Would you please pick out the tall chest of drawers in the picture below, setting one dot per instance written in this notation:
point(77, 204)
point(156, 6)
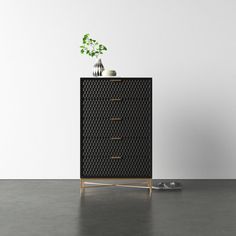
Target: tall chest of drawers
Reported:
point(116, 128)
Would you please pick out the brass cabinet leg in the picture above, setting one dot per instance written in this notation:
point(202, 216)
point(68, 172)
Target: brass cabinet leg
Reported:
point(81, 184)
point(84, 184)
point(150, 187)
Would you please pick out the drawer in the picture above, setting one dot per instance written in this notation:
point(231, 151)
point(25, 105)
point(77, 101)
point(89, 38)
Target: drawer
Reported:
point(117, 107)
point(108, 88)
point(126, 167)
point(116, 147)
point(126, 127)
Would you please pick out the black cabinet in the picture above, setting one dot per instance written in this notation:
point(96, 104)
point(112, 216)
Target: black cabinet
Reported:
point(116, 127)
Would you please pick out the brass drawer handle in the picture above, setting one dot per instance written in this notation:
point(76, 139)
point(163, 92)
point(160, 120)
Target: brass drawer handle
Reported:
point(115, 157)
point(116, 119)
point(116, 138)
point(116, 80)
point(116, 99)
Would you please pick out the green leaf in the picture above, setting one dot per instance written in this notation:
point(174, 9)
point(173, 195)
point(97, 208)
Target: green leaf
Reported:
point(91, 47)
point(86, 36)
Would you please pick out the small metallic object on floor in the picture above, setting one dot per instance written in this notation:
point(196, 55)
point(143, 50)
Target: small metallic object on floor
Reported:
point(168, 186)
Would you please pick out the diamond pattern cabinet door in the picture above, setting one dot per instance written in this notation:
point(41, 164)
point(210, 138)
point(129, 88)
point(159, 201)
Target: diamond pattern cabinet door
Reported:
point(136, 109)
point(127, 167)
point(127, 127)
point(101, 88)
point(121, 147)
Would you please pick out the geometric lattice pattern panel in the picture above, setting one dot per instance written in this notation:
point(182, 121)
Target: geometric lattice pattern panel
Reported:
point(123, 108)
point(130, 166)
point(107, 88)
point(124, 147)
point(124, 128)
point(116, 127)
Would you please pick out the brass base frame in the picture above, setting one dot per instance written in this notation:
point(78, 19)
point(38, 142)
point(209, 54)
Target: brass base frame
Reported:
point(146, 184)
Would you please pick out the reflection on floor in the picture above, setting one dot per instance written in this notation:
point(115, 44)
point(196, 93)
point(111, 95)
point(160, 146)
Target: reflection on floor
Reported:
point(55, 207)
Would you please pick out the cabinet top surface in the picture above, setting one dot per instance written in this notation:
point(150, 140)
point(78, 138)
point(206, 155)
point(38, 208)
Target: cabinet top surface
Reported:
point(114, 77)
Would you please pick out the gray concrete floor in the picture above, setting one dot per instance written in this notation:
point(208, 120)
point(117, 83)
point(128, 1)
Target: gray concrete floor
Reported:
point(55, 208)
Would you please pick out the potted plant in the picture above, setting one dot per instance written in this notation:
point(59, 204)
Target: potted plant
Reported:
point(93, 48)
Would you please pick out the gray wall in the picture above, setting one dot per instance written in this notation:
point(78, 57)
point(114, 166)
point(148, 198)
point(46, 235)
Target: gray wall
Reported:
point(188, 47)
